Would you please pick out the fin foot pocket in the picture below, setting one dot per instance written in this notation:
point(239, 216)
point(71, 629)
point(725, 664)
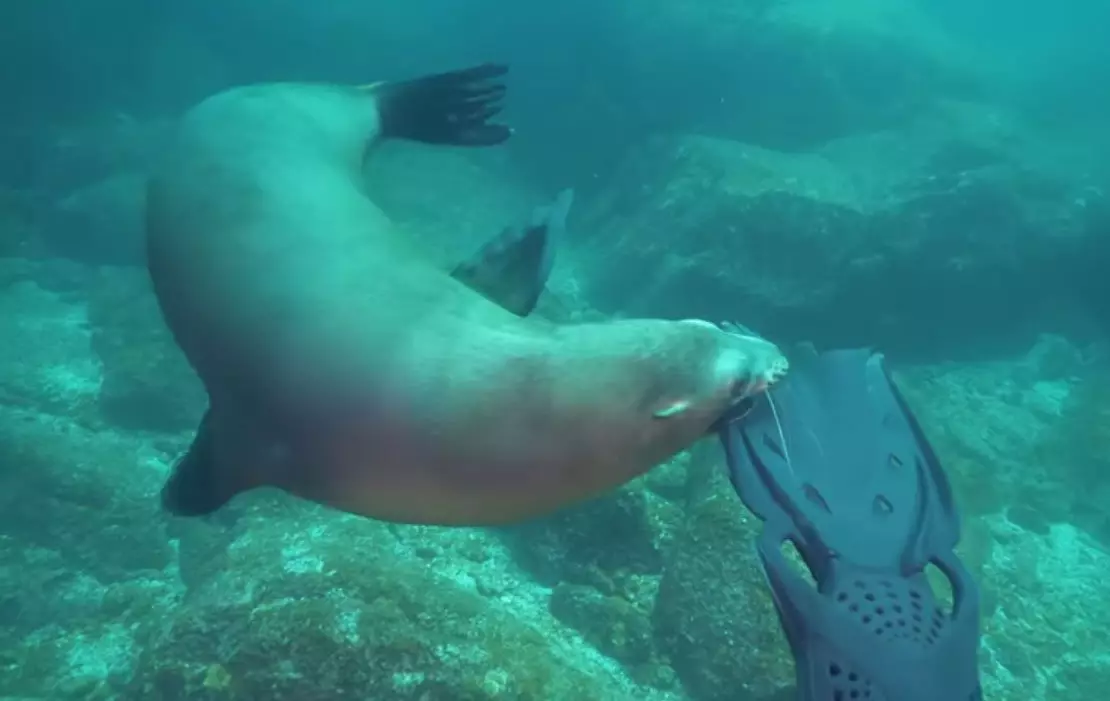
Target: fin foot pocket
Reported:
point(452, 108)
point(847, 476)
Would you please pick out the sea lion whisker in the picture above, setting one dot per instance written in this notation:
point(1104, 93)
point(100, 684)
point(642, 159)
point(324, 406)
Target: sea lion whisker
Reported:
point(782, 434)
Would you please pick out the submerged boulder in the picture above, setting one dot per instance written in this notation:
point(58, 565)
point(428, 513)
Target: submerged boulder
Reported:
point(789, 74)
point(865, 240)
point(314, 605)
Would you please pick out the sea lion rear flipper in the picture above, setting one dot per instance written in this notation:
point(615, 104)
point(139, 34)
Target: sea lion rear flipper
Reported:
point(224, 460)
point(512, 268)
point(451, 108)
point(833, 461)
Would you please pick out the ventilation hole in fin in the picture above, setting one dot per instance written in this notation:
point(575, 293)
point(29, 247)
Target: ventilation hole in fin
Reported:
point(941, 588)
point(894, 462)
point(773, 446)
point(797, 564)
point(881, 506)
point(814, 497)
point(847, 684)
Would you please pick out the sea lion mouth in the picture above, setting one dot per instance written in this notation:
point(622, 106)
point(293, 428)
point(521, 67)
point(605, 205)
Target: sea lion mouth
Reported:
point(745, 392)
point(749, 388)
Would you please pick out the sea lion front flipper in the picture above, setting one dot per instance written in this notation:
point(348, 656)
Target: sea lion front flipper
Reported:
point(452, 108)
point(227, 457)
point(512, 268)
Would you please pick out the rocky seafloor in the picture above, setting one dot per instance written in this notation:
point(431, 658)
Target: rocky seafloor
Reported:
point(652, 592)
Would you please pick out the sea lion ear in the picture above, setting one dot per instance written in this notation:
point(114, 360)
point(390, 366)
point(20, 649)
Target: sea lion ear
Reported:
point(672, 409)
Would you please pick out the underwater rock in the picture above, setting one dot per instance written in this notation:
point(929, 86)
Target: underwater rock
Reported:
point(76, 491)
point(786, 73)
point(590, 543)
point(316, 605)
point(1021, 434)
point(148, 383)
point(861, 241)
point(16, 228)
point(713, 616)
point(88, 651)
point(1047, 637)
point(99, 223)
point(1073, 460)
point(611, 624)
point(95, 148)
point(45, 359)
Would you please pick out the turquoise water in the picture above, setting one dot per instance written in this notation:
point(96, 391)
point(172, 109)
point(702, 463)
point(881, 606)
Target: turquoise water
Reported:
point(927, 178)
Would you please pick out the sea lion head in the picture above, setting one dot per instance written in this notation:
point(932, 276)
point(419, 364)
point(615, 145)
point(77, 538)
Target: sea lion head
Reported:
point(721, 366)
point(748, 363)
point(652, 387)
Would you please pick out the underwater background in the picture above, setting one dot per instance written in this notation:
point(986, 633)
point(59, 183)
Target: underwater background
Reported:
point(930, 178)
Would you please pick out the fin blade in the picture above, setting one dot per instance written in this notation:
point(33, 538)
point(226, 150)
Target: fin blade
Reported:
point(208, 476)
point(452, 108)
point(513, 268)
point(859, 478)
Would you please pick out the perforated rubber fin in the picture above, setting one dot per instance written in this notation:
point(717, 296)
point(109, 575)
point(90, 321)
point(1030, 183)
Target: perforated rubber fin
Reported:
point(851, 481)
point(512, 268)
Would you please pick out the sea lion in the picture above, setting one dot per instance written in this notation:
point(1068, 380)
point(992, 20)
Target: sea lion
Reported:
point(344, 367)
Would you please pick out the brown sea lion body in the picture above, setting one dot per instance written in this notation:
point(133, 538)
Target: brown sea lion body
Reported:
point(344, 367)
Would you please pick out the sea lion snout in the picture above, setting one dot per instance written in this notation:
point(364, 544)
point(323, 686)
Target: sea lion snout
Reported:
point(768, 366)
point(750, 363)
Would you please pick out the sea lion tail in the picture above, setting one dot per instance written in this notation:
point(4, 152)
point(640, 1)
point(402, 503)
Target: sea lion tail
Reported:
point(452, 108)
